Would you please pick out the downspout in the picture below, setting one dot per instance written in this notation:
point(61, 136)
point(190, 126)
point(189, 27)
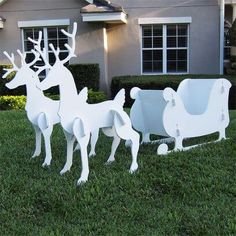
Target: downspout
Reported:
point(222, 20)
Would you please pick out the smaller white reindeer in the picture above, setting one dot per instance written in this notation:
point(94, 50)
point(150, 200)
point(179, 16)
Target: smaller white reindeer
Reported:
point(41, 111)
point(79, 119)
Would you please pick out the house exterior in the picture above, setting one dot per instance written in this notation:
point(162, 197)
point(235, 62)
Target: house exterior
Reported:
point(131, 37)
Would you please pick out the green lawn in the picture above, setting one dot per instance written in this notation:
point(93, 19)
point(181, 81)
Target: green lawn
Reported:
point(186, 193)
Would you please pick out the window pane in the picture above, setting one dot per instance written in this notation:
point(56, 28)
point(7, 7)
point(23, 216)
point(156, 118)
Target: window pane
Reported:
point(171, 55)
point(157, 30)
point(53, 42)
point(171, 30)
point(171, 42)
point(147, 66)
point(60, 34)
point(182, 30)
point(157, 66)
point(62, 43)
point(182, 42)
point(28, 46)
point(157, 42)
point(147, 30)
point(147, 55)
point(147, 42)
point(36, 32)
point(171, 66)
point(182, 66)
point(52, 58)
point(182, 55)
point(157, 55)
point(52, 33)
point(28, 33)
point(63, 55)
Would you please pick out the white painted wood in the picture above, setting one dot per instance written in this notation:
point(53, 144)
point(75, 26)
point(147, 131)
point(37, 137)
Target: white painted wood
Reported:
point(77, 116)
point(41, 111)
point(110, 17)
point(43, 23)
point(198, 108)
point(164, 20)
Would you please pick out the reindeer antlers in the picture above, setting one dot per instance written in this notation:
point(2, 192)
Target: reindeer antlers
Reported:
point(70, 48)
point(14, 68)
point(43, 53)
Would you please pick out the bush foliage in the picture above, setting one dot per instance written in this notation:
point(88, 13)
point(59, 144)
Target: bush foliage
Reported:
point(85, 75)
point(162, 82)
point(12, 102)
point(18, 102)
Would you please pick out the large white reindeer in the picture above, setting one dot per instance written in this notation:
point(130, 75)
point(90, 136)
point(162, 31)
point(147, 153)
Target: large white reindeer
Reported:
point(41, 111)
point(79, 119)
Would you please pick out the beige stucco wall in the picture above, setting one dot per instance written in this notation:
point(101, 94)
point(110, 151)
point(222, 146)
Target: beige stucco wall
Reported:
point(125, 43)
point(90, 43)
point(123, 55)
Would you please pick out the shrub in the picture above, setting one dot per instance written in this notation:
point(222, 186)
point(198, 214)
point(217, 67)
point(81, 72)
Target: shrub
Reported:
point(93, 96)
point(12, 102)
point(161, 82)
point(18, 102)
point(86, 75)
point(3, 89)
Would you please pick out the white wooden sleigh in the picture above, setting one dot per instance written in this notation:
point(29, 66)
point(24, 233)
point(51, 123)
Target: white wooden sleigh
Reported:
point(198, 108)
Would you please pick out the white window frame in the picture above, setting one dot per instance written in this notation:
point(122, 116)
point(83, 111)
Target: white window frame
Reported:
point(164, 21)
point(45, 24)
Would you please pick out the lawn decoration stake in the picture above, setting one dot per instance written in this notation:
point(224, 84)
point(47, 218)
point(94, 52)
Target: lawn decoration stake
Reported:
point(41, 111)
point(79, 119)
point(198, 108)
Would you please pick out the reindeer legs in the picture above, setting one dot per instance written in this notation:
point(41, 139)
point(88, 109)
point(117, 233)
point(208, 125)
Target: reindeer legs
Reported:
point(38, 138)
point(110, 132)
point(93, 141)
point(82, 134)
point(70, 139)
point(125, 131)
point(47, 136)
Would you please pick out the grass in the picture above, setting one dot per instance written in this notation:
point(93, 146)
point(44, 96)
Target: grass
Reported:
point(186, 193)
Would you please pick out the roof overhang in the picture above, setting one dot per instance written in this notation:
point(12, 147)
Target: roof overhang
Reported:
point(106, 17)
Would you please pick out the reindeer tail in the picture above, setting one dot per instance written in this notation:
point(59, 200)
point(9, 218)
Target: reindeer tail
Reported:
point(120, 98)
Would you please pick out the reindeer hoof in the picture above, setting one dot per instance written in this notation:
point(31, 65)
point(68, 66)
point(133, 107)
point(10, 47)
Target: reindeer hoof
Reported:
point(133, 168)
point(45, 164)
point(162, 149)
point(81, 181)
point(35, 155)
point(64, 170)
point(92, 154)
point(110, 161)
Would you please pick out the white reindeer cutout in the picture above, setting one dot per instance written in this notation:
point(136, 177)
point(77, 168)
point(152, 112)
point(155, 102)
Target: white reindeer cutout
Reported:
point(94, 135)
point(41, 111)
point(79, 119)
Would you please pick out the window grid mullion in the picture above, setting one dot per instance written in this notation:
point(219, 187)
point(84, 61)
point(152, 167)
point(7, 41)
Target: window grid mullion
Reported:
point(164, 51)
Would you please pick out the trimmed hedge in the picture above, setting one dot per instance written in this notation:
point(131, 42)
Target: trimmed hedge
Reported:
point(18, 102)
point(85, 75)
point(161, 82)
point(3, 89)
point(12, 102)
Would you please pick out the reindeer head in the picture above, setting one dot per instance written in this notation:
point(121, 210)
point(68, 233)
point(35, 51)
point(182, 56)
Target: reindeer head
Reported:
point(24, 73)
point(58, 72)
